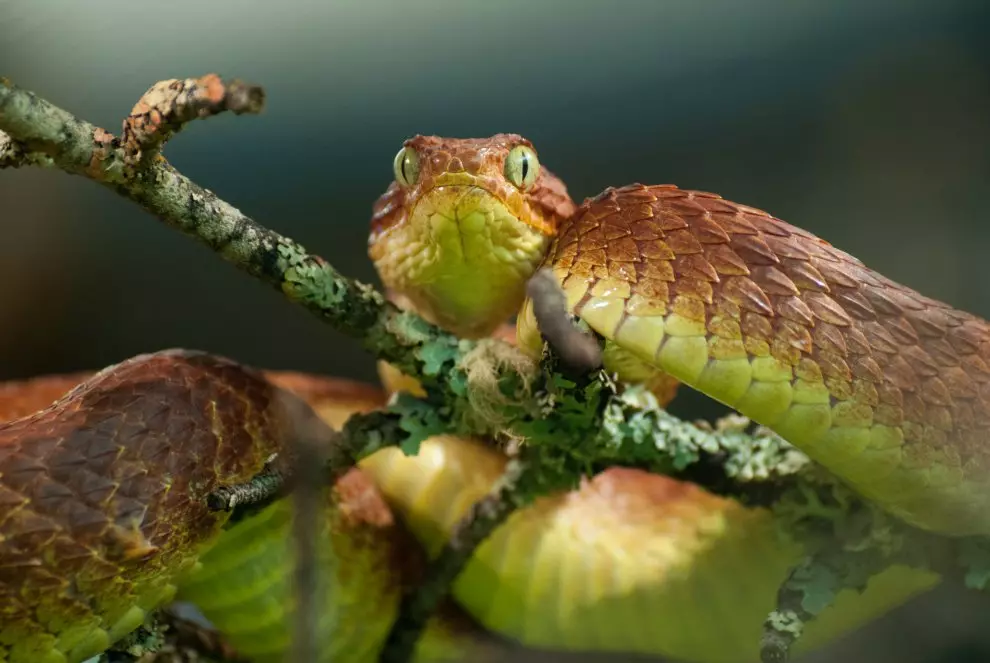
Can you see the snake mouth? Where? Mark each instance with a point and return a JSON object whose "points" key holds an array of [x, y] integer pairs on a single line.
{"points": [[461, 255]]}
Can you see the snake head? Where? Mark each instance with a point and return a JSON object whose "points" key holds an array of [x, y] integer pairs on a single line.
{"points": [[463, 226]]}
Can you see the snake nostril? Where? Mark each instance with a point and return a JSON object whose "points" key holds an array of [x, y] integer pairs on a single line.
{"points": [[455, 165]]}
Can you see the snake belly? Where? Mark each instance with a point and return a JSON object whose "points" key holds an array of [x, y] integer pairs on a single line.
{"points": [[887, 388]]}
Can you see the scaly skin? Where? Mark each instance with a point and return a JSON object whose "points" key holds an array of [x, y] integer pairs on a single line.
{"points": [[244, 584], [147, 439], [102, 494], [457, 239], [888, 389]]}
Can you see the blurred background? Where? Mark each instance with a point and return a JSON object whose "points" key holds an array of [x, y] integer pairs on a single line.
{"points": [[867, 123]]}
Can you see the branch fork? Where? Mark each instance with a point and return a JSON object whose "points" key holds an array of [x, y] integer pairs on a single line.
{"points": [[169, 105]]}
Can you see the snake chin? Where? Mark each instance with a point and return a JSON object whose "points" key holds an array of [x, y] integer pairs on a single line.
{"points": [[461, 257]]}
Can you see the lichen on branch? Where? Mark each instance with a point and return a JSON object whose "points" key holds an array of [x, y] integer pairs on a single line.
{"points": [[15, 155]]}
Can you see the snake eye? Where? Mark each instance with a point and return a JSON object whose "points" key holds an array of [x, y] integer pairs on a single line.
{"points": [[522, 167], [406, 166]]}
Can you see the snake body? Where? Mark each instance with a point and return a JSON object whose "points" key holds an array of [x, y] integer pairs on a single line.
{"points": [[103, 492], [887, 388]]}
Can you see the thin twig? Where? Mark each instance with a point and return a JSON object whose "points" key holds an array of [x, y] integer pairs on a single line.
{"points": [[307, 503], [580, 351], [261, 489], [168, 105], [362, 435], [483, 518]]}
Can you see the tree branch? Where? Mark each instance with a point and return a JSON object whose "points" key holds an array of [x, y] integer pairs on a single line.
{"points": [[519, 400], [75, 146], [363, 435], [580, 351]]}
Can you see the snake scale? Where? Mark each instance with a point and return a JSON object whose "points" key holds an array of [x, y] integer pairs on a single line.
{"points": [[101, 492]]}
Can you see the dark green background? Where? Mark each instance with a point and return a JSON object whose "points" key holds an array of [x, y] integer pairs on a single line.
{"points": [[865, 122]]}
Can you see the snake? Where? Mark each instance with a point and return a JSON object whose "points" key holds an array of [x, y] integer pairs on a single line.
{"points": [[886, 388], [103, 490]]}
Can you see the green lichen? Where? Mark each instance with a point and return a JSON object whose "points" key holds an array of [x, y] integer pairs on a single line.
{"points": [[307, 281], [419, 420], [818, 585], [435, 356], [786, 621]]}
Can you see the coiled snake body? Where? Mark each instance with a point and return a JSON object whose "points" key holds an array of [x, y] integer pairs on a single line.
{"points": [[888, 389], [101, 492]]}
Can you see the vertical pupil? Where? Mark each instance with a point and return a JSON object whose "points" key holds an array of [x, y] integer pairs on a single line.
{"points": [[525, 166], [405, 162]]}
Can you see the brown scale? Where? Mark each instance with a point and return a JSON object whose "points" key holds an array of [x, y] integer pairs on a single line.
{"points": [[915, 362], [102, 493]]}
